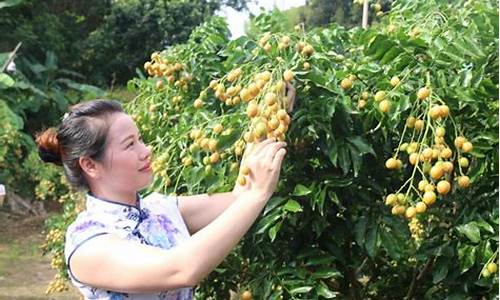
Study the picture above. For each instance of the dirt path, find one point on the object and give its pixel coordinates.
(24, 272)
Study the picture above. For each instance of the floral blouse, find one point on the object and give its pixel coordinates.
(155, 221)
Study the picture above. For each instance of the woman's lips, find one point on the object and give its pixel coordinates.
(146, 168)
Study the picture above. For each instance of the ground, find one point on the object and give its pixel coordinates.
(24, 272)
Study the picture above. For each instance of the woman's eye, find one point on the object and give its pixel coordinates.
(130, 144)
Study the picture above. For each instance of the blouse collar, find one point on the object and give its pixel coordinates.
(100, 205)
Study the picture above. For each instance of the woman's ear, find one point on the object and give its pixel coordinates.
(89, 167)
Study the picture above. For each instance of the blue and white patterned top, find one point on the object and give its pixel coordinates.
(155, 221)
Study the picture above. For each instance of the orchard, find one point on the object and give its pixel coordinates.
(389, 189)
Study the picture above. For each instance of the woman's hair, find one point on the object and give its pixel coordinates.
(82, 132)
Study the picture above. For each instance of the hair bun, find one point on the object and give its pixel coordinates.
(48, 147)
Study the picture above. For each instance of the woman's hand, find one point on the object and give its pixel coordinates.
(263, 159)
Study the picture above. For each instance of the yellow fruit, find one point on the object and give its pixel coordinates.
(213, 83)
(391, 163)
(419, 125)
(459, 141)
(270, 98)
(218, 128)
(246, 295)
(281, 114)
(245, 170)
(421, 207)
(413, 158)
(252, 109)
(421, 185)
(395, 80)
(212, 145)
(429, 187)
(429, 198)
(410, 122)
(306, 65)
(300, 45)
(443, 187)
(198, 103)
(447, 166)
(467, 147)
(410, 212)
(464, 162)
(435, 112)
(242, 180)
(436, 172)
(238, 151)
(423, 93)
(187, 161)
(273, 123)
(401, 198)
(492, 267)
(308, 50)
(253, 89)
(427, 153)
(446, 153)
(288, 75)
(398, 210)
(361, 104)
(391, 199)
(445, 110)
(159, 84)
(379, 96)
(440, 131)
(267, 47)
(346, 83)
(214, 158)
(260, 129)
(365, 95)
(385, 106)
(463, 182)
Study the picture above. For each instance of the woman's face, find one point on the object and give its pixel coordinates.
(126, 164)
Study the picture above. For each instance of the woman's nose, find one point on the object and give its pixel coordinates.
(146, 152)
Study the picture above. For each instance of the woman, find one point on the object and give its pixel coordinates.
(158, 247)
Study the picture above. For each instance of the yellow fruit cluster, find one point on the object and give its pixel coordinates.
(428, 156)
(57, 285)
(174, 72)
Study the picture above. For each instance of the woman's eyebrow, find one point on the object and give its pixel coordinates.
(125, 139)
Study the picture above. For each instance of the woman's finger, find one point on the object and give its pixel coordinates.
(278, 159)
(255, 149)
(271, 152)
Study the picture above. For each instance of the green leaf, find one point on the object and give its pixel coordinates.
(323, 291)
(301, 190)
(8, 3)
(471, 231)
(361, 145)
(300, 290)
(6, 81)
(292, 206)
(325, 272)
(466, 257)
(391, 55)
(274, 230)
(440, 270)
(359, 231)
(371, 243)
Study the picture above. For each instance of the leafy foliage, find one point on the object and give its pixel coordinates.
(326, 232)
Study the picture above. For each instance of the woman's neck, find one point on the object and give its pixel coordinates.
(128, 197)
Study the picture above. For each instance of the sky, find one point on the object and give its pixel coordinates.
(236, 20)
